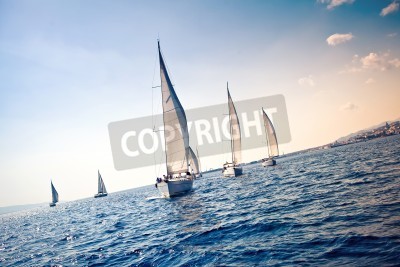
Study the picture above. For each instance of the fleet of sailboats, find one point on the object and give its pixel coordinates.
(272, 142)
(101, 188)
(54, 195)
(182, 164)
(178, 179)
(232, 169)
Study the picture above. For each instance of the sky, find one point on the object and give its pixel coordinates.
(69, 68)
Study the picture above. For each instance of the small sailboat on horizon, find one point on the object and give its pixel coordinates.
(54, 195)
(232, 169)
(272, 142)
(178, 180)
(101, 187)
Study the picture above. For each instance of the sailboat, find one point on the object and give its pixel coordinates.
(101, 188)
(272, 142)
(232, 169)
(178, 180)
(194, 163)
(54, 195)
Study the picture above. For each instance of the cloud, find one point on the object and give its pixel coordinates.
(391, 35)
(370, 81)
(348, 106)
(339, 38)
(335, 3)
(393, 7)
(306, 81)
(373, 61)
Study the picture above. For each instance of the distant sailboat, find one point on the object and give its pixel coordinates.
(232, 169)
(178, 180)
(101, 188)
(272, 142)
(54, 195)
(194, 163)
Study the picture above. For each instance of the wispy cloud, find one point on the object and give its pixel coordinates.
(373, 61)
(393, 7)
(339, 38)
(331, 4)
(349, 106)
(370, 81)
(306, 81)
(391, 35)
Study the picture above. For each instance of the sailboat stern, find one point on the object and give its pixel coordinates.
(231, 170)
(175, 186)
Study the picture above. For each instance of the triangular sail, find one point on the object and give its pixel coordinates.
(194, 162)
(101, 186)
(235, 132)
(176, 133)
(272, 142)
(54, 194)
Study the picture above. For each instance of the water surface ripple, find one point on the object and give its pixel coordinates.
(333, 207)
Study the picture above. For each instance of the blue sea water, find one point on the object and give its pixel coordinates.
(333, 207)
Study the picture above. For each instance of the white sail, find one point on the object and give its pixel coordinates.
(54, 194)
(194, 162)
(176, 134)
(272, 142)
(235, 132)
(101, 186)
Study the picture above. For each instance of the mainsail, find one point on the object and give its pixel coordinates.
(194, 162)
(54, 194)
(101, 186)
(235, 131)
(176, 133)
(272, 142)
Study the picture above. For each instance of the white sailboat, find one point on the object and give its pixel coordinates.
(272, 142)
(178, 180)
(101, 188)
(54, 195)
(194, 163)
(232, 169)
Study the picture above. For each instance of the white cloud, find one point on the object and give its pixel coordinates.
(306, 81)
(335, 3)
(393, 34)
(339, 38)
(373, 61)
(348, 106)
(370, 81)
(393, 7)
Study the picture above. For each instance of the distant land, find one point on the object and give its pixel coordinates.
(381, 130)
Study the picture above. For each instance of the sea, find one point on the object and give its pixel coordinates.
(333, 207)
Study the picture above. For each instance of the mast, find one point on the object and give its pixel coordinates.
(230, 122)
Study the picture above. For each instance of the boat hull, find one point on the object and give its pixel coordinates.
(268, 162)
(100, 195)
(52, 204)
(232, 171)
(175, 187)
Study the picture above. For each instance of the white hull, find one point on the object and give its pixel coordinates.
(268, 162)
(231, 171)
(175, 186)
